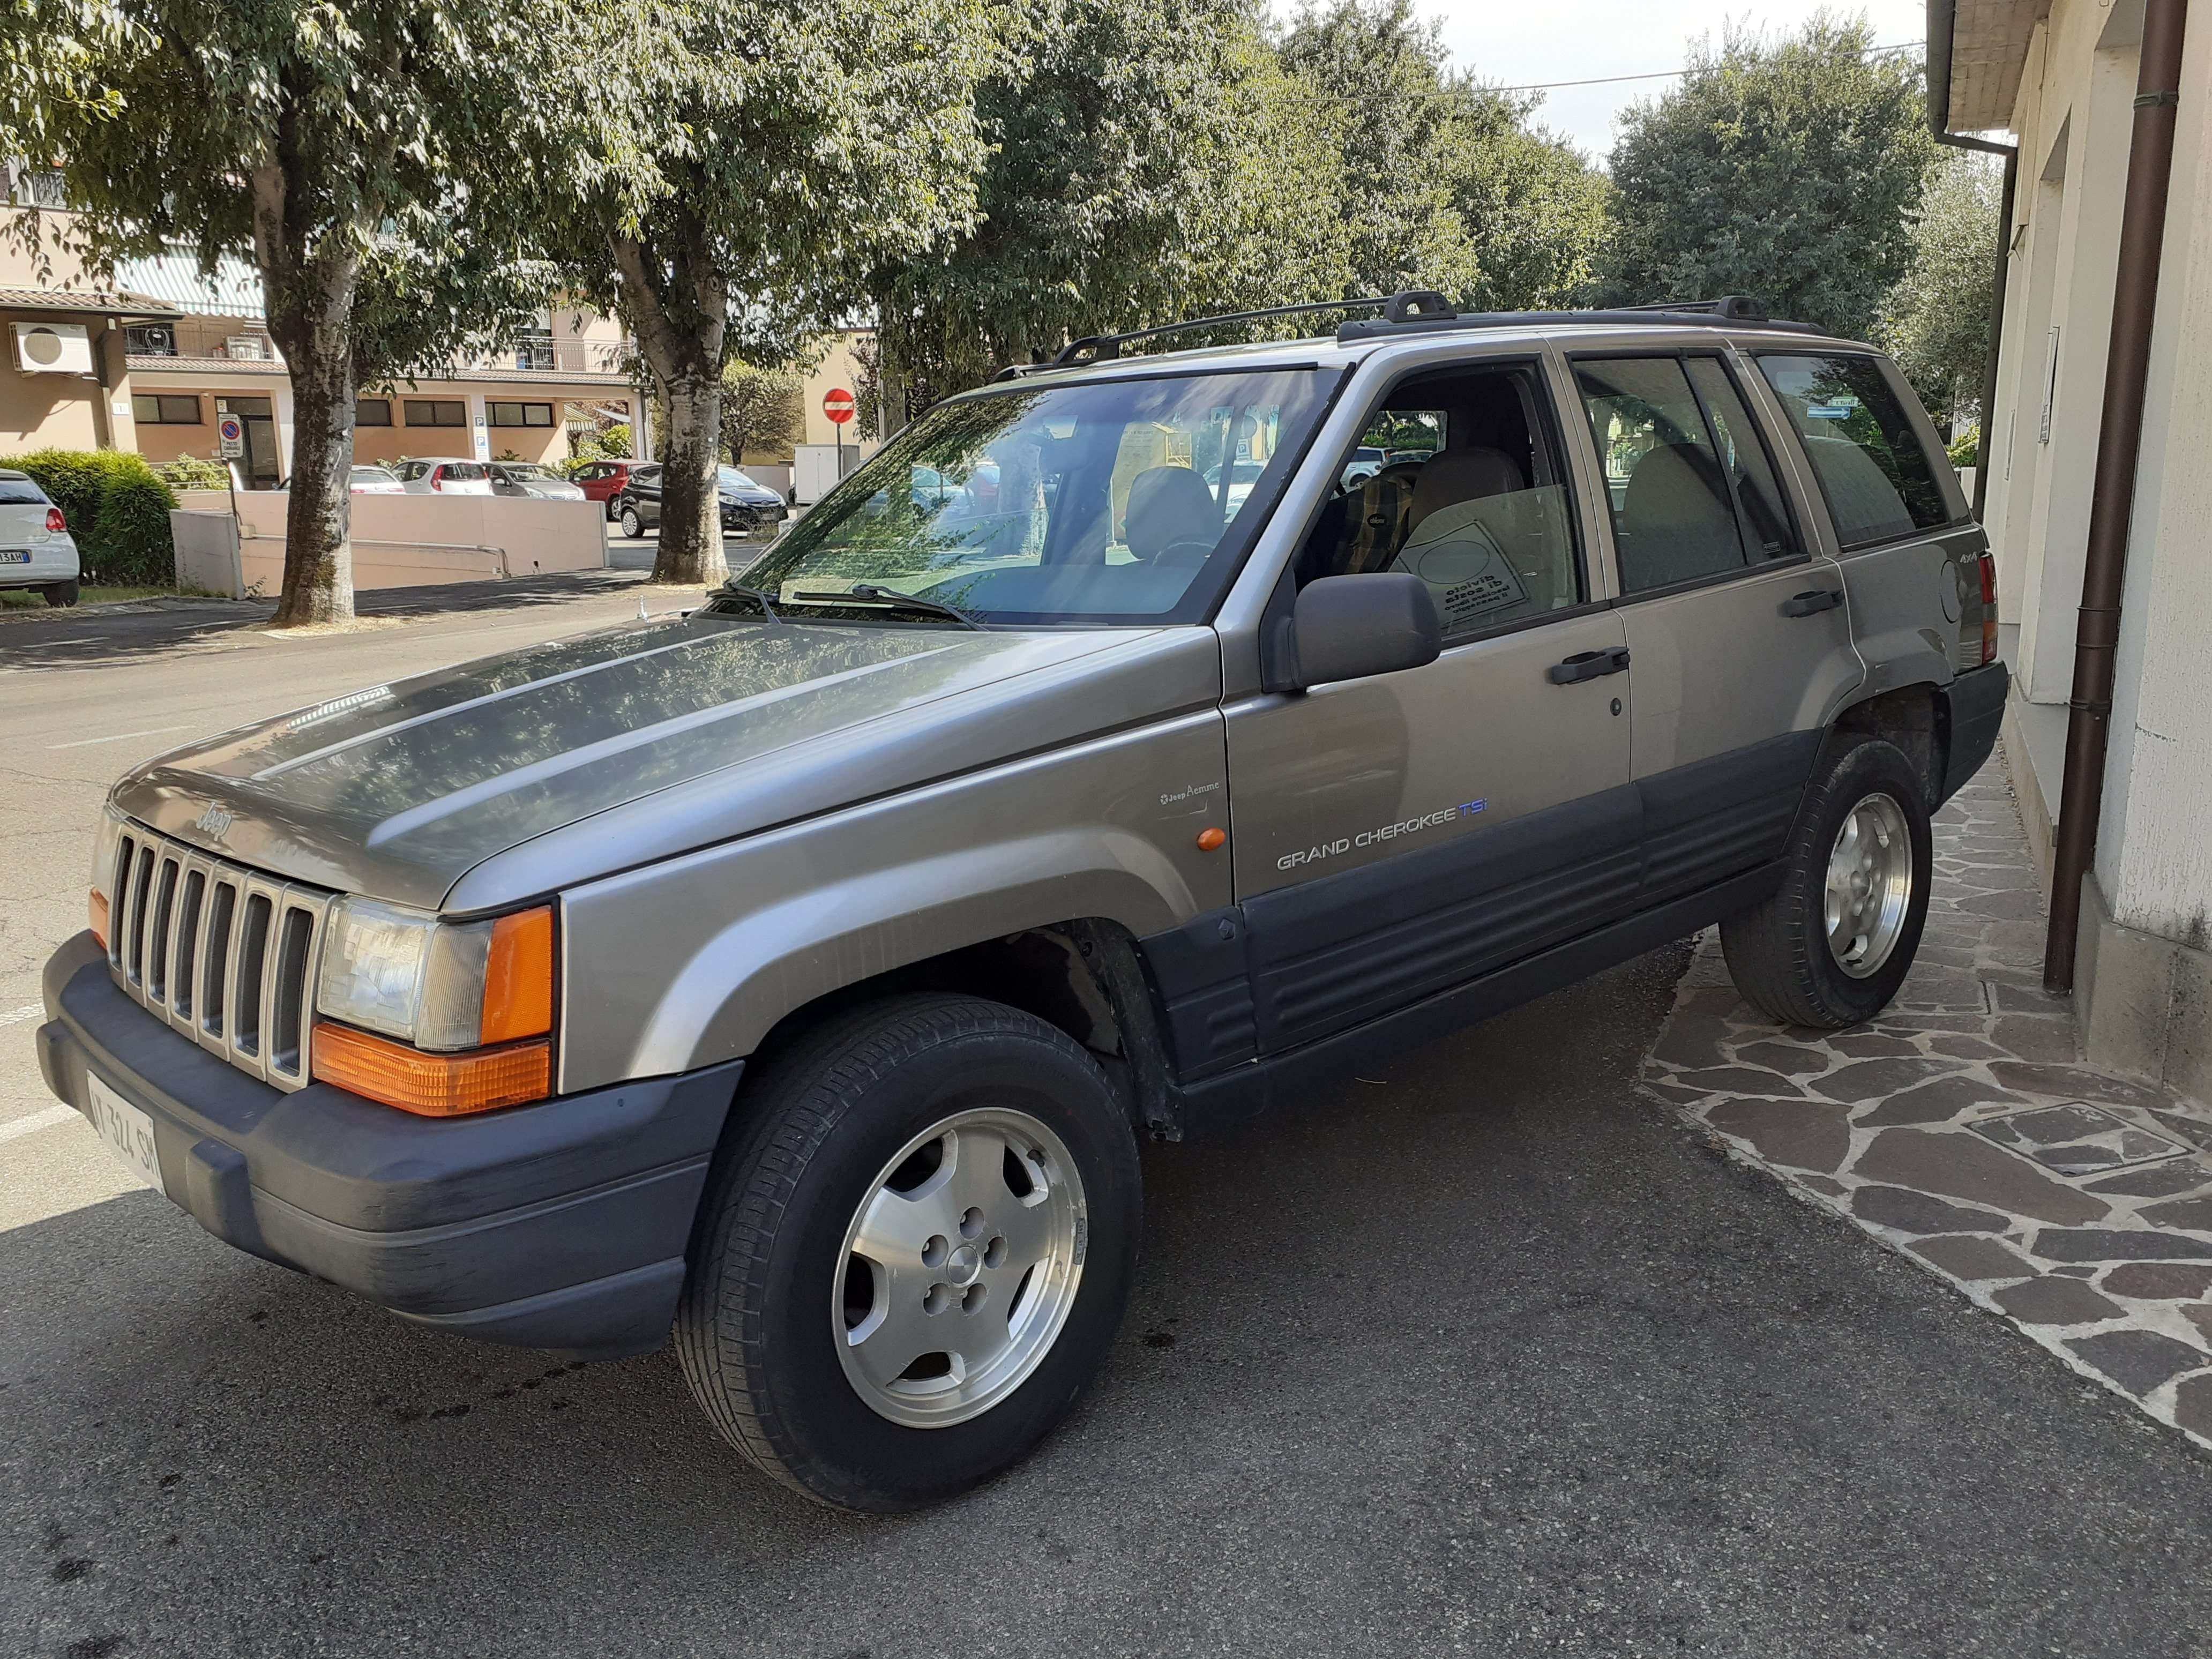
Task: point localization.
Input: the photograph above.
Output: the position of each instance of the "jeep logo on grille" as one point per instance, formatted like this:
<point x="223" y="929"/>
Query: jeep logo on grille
<point x="212" y="823"/>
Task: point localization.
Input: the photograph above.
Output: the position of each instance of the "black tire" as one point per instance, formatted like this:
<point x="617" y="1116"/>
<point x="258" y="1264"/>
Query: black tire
<point x="632" y="526"/>
<point x="61" y="595"/>
<point x="819" y="1122"/>
<point x="1779" y="951"/>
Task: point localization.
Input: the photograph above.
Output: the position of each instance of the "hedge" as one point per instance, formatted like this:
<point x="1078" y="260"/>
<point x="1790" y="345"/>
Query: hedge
<point x="117" y="508"/>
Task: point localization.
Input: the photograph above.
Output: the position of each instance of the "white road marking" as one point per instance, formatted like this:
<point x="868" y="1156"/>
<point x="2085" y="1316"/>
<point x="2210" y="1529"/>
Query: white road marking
<point x="150" y="732"/>
<point x="37" y="1120"/>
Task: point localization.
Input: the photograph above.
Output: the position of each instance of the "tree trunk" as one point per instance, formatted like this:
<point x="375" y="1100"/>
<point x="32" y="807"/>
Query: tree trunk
<point x="690" y="552"/>
<point x="310" y="286"/>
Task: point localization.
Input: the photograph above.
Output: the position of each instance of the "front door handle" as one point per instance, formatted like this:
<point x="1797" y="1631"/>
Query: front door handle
<point x="1813" y="602"/>
<point x="1587" y="666"/>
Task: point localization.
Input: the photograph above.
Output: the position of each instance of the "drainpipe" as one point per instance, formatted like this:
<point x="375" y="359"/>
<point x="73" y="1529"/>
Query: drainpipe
<point x="1942" y="16"/>
<point x="2111" y="509"/>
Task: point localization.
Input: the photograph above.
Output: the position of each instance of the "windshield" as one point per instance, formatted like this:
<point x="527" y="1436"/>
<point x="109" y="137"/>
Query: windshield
<point x="1097" y="502"/>
<point x="730" y="478"/>
<point x="531" y="470"/>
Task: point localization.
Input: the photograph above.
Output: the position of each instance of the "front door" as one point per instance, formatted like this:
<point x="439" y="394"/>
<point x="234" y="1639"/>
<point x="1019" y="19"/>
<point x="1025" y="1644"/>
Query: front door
<point x="1401" y="835"/>
<point x="1741" y="640"/>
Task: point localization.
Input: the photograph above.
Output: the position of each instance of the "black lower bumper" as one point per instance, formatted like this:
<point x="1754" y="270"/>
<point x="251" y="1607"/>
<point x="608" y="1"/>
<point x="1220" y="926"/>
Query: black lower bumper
<point x="560" y="1225"/>
<point x="1976" y="703"/>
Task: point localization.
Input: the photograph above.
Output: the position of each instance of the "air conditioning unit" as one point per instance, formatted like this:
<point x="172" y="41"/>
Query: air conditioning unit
<point x="53" y="349"/>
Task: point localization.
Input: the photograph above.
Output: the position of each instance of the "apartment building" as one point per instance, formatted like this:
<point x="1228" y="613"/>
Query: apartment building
<point x="2063" y="81"/>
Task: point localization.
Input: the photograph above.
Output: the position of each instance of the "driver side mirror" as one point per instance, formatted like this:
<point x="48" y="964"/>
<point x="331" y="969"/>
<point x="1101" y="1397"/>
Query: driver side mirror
<point x="1347" y="628"/>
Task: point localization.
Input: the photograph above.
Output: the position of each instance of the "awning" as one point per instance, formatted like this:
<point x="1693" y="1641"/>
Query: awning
<point x="1977" y="50"/>
<point x="235" y="290"/>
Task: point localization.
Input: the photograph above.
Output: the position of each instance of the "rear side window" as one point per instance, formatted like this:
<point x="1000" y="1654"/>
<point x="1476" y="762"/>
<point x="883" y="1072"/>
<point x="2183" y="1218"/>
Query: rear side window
<point x="462" y="472"/>
<point x="1875" y="474"/>
<point x="20" y="492"/>
<point x="1692" y="498"/>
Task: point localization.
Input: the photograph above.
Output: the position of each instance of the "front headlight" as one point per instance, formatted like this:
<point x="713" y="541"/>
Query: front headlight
<point x="472" y="1003"/>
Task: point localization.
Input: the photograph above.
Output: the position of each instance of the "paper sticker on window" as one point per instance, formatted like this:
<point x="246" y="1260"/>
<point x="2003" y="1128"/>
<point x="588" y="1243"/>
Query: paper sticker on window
<point x="1467" y="572"/>
<point x="1841" y="410"/>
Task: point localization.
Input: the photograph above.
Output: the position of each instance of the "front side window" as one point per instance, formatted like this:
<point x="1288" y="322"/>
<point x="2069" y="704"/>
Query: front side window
<point x="1465" y="492"/>
<point x="436" y="411"/>
<point x="1874" y="472"/>
<point x="163" y="409"/>
<point x="1105" y="502"/>
<point x="1691" y="499"/>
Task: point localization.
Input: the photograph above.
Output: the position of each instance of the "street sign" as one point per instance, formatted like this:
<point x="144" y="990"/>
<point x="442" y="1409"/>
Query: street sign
<point x="838" y="404"/>
<point x="230" y="433"/>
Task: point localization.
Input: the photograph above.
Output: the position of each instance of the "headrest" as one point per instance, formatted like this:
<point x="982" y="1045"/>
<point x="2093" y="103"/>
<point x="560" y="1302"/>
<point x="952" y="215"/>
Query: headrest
<point x="1675" y="483"/>
<point x="1453" y="476"/>
<point x="1167" y="505"/>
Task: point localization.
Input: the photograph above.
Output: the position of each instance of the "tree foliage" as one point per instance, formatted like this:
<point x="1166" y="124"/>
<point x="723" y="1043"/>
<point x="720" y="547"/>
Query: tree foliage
<point x="1780" y="169"/>
<point x="759" y="158"/>
<point x="1936" y="319"/>
<point x="762" y="409"/>
<point x="337" y="145"/>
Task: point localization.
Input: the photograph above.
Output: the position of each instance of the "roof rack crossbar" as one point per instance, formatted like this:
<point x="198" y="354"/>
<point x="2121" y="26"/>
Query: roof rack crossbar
<point x="1108" y="346"/>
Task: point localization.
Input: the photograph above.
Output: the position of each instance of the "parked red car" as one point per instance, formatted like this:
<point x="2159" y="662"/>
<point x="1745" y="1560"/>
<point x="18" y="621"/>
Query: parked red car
<point x="604" y="481"/>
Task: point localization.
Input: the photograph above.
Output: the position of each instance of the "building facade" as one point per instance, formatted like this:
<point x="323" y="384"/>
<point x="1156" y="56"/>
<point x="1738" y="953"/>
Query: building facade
<point x="2059" y="78"/>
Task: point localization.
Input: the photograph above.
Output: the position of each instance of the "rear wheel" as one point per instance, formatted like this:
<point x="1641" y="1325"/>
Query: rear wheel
<point x="61" y="595"/>
<point x="914" y="1254"/>
<point x="1833" y="944"/>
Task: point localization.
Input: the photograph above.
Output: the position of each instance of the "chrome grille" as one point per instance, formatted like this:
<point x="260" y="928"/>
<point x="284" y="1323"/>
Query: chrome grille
<point x="225" y="954"/>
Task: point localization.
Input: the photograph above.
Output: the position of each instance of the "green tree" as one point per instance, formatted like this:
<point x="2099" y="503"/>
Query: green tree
<point x="761" y="409"/>
<point x="780" y="150"/>
<point x="1384" y="80"/>
<point x="1785" y="170"/>
<point x="1936" y="319"/>
<point x="1533" y="209"/>
<point x="333" y="144"/>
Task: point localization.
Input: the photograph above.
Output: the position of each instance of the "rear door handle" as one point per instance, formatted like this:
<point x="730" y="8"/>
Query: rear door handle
<point x="1812" y="602"/>
<point x="1587" y="666"/>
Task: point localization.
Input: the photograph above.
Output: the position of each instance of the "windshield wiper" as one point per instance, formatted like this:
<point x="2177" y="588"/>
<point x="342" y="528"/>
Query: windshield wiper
<point x="873" y="593"/>
<point x="758" y="598"/>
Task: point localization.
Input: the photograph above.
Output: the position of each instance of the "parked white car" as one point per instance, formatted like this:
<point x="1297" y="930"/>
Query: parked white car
<point x="441" y="474"/>
<point x="36" y="548"/>
<point x="528" y="478"/>
<point x="365" y="480"/>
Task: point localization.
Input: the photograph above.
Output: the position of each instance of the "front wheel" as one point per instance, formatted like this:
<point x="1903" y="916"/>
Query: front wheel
<point x="1833" y="944"/>
<point x="914" y="1253"/>
<point x="632" y="526"/>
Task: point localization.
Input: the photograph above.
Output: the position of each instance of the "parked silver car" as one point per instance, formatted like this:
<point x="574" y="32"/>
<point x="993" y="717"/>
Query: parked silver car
<point x="439" y="475"/>
<point x="803" y="972"/>
<point x="36" y="548"/>
<point x="529" y="480"/>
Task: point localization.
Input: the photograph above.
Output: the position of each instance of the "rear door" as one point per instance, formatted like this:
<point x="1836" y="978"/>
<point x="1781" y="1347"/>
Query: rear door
<point x="1739" y="632"/>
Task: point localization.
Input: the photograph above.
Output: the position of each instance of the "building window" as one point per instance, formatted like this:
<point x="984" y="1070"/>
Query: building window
<point x="371" y="412"/>
<point x="40" y="187"/>
<point x="150" y="340"/>
<point x="435" y="411"/>
<point x="522" y="414"/>
<point x="164" y="408"/>
<point x="534" y="349"/>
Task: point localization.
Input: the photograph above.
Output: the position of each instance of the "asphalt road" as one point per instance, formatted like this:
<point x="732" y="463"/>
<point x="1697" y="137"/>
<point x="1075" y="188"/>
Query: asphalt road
<point x="1486" y="1355"/>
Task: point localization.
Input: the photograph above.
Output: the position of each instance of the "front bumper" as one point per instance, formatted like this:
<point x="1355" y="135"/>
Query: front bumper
<point x="560" y="1225"/>
<point x="1974" y="704"/>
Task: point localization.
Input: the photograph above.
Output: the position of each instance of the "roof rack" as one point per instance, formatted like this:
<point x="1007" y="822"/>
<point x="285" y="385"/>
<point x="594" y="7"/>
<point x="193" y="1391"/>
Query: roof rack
<point x="1418" y="311"/>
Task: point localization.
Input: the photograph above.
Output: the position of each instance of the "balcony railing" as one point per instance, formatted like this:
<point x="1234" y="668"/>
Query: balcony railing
<point x="560" y="355"/>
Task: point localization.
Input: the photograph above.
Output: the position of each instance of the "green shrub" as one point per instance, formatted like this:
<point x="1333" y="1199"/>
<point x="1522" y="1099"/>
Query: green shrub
<point x="1967" y="447"/>
<point x="191" y="473"/>
<point x="117" y="508"/>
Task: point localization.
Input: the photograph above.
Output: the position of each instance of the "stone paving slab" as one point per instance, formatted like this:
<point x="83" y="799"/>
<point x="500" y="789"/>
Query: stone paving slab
<point x="1962" y="1129"/>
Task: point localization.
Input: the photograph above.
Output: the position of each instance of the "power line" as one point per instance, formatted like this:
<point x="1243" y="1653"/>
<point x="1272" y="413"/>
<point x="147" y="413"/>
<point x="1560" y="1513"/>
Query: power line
<point x="1669" y="74"/>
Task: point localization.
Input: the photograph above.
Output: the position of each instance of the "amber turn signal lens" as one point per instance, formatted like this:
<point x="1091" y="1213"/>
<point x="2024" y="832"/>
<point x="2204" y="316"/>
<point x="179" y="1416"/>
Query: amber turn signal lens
<point x="432" y="1085"/>
<point x="517" y="994"/>
<point x="98" y="907"/>
<point x="1210" y="839"/>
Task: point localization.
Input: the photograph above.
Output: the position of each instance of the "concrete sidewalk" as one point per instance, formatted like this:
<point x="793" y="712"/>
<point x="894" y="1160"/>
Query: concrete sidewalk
<point x="1961" y="1129"/>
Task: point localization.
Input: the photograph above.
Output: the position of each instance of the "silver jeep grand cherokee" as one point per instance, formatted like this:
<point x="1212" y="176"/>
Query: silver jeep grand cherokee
<point x="801" y="973"/>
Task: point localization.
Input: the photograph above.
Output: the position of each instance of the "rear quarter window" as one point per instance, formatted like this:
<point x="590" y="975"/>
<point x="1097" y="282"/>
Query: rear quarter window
<point x="1875" y="470"/>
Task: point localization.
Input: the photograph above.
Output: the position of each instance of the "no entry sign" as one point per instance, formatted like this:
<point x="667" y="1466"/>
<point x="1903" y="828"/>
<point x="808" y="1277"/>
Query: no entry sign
<point x="838" y="404"/>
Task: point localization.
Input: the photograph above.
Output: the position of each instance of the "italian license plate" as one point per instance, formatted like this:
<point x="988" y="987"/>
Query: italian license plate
<point x="14" y="556"/>
<point x="128" y="1132"/>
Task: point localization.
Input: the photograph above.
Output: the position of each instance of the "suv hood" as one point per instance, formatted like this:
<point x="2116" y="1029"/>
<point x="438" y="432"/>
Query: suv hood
<point x="399" y="791"/>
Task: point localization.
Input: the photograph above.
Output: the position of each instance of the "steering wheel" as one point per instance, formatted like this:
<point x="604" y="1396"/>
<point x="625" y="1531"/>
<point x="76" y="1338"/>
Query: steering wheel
<point x="1173" y="552"/>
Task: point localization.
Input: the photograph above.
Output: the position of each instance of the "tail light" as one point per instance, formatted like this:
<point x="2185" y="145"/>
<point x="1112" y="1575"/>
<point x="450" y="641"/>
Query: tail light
<point x="1989" y="563"/>
<point x="55" y="523"/>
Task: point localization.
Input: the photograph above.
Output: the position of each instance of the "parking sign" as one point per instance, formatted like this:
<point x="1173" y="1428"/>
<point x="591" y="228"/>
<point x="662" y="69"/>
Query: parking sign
<point x="230" y="433"/>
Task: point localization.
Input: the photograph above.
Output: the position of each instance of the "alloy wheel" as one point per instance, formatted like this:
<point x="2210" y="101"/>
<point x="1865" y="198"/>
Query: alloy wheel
<point x="1869" y="885"/>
